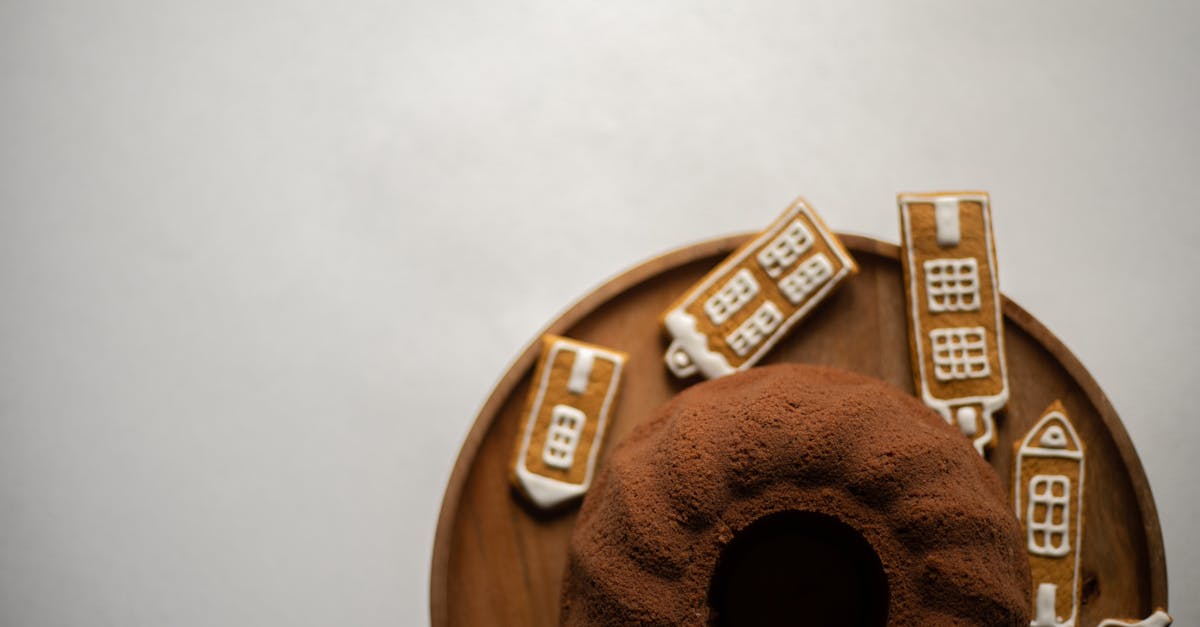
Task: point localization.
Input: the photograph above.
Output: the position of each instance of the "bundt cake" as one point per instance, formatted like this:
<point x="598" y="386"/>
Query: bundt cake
<point x="796" y="494"/>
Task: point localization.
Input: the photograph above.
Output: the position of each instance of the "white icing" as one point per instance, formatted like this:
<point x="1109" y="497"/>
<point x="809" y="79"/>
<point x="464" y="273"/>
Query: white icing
<point x="1029" y="449"/>
<point x="785" y="249"/>
<point x="813" y="300"/>
<point x="755" y="329"/>
<point x="1054" y="437"/>
<point x="952" y="284"/>
<point x="1043" y="615"/>
<point x="967" y="420"/>
<point x="1157" y="619"/>
<point x="994" y="402"/>
<point x="805" y="280"/>
<point x="581" y="370"/>
<point x="678" y="361"/>
<point x="1053" y="493"/>
<point x="562" y="438"/>
<point x="689" y="343"/>
<point x="945" y="211"/>
<point x="734" y="295"/>
<point x="689" y="351"/>
<point x="1055" y="422"/>
<point x="960" y="353"/>
<point x="544" y="491"/>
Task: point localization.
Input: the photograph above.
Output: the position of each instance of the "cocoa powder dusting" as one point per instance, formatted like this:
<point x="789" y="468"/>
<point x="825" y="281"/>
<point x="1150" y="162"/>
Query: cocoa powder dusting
<point x="866" y="480"/>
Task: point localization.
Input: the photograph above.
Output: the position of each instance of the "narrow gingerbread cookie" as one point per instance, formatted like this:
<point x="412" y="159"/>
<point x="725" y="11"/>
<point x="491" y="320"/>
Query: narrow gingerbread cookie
<point x="1049" y="500"/>
<point x="740" y="309"/>
<point x="955" y="324"/>
<point x="565" y="419"/>
<point x="1158" y="619"/>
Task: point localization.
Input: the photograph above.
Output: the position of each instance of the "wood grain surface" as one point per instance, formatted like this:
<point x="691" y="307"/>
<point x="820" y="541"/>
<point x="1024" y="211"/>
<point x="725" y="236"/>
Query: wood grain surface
<point x="498" y="562"/>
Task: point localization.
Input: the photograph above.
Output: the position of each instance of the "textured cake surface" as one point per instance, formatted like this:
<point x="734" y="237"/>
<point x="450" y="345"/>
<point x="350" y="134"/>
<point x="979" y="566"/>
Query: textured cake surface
<point x="728" y="452"/>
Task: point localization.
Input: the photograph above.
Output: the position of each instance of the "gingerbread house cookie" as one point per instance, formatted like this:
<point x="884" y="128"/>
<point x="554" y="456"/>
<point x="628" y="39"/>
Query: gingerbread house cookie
<point x="954" y="318"/>
<point x="1049" y="499"/>
<point x="565" y="419"/>
<point x="739" y="310"/>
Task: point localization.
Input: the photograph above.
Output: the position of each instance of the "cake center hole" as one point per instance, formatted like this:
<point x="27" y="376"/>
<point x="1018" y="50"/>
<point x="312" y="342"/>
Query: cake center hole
<point x="799" y="568"/>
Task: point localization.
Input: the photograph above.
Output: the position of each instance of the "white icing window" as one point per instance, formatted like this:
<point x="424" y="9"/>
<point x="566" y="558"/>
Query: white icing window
<point x="959" y="353"/>
<point x="785" y="249"/>
<point x="1049" y="512"/>
<point x="758" y="326"/>
<point x="952" y="284"/>
<point x="734" y="295"/>
<point x="566" y="425"/>
<point x="805" y="280"/>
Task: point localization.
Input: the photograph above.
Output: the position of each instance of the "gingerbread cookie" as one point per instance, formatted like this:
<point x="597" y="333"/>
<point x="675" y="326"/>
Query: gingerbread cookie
<point x="740" y="309"/>
<point x="955" y="325"/>
<point x="1048" y="495"/>
<point x="565" y="419"/>
<point x="1158" y="619"/>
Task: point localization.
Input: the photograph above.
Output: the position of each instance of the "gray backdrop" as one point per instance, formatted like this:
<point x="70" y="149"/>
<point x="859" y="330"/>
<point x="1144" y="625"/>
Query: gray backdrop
<point x="263" y="261"/>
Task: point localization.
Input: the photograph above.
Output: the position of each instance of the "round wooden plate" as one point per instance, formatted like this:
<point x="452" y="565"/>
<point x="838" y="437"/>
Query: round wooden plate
<point x="498" y="562"/>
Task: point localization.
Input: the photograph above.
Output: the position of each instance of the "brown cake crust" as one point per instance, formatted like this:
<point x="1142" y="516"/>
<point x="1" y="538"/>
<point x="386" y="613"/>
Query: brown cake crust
<point x="728" y="452"/>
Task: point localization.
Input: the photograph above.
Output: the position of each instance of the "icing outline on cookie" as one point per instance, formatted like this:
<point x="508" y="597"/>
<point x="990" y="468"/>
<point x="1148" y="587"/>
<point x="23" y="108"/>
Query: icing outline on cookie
<point x="1053" y="438"/>
<point x="797" y="257"/>
<point x="949" y="285"/>
<point x="567" y="422"/>
<point x="1157" y="619"/>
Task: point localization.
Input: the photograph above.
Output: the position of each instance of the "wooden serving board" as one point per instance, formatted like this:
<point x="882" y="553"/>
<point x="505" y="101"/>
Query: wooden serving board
<point x="498" y="562"/>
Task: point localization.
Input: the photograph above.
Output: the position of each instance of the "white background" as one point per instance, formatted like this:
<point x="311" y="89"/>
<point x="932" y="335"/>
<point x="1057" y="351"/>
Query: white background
<point x="261" y="262"/>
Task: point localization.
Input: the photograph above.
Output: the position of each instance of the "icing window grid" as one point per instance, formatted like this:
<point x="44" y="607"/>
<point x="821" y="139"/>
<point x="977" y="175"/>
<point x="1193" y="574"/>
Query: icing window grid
<point x="785" y="249"/>
<point x="1049" y="496"/>
<point x="805" y="280"/>
<point x="566" y="425"/>
<point x="758" y="326"/>
<point x="734" y="295"/>
<point x="960" y="353"/>
<point x="952" y="284"/>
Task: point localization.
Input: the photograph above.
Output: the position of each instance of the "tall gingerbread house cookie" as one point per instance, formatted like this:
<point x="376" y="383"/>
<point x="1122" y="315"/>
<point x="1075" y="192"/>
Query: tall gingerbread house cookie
<point x="739" y="310"/>
<point x="1049" y="499"/>
<point x="955" y="322"/>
